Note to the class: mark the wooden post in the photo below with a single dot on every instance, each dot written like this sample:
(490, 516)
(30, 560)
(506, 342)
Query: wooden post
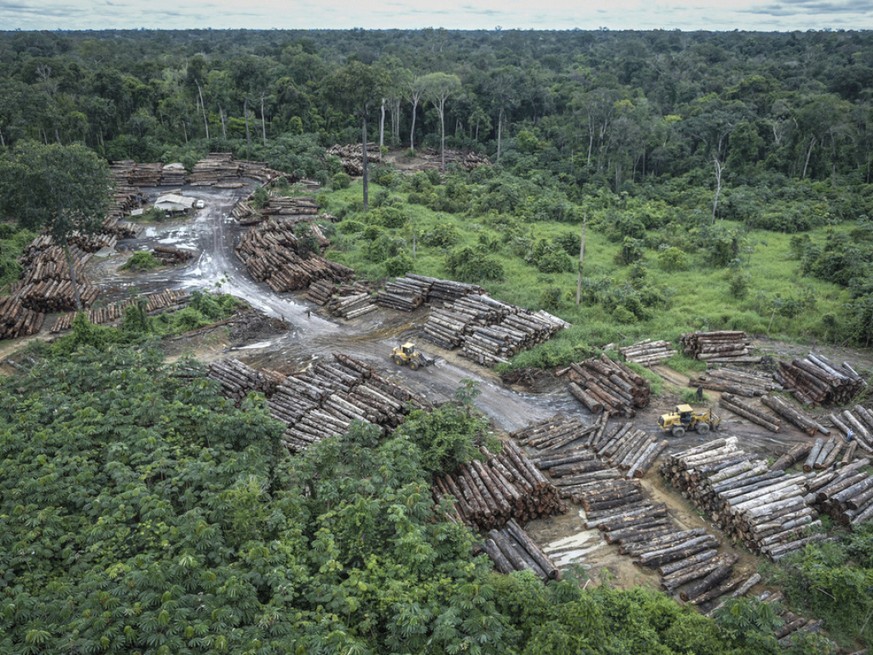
(581, 260)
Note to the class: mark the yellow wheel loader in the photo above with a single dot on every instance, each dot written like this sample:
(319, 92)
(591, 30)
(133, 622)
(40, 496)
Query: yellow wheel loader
(408, 355)
(684, 418)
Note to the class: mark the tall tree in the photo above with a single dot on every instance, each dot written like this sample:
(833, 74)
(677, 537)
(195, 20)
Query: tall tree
(359, 87)
(438, 88)
(415, 92)
(64, 189)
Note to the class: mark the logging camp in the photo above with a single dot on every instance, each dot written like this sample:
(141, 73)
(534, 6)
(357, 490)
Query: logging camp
(685, 419)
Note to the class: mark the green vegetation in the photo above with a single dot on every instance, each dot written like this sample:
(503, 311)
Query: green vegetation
(142, 261)
(140, 511)
(833, 581)
(13, 240)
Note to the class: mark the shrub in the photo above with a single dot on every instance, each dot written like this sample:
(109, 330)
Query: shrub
(142, 260)
(441, 235)
(340, 181)
(673, 259)
(398, 265)
(469, 265)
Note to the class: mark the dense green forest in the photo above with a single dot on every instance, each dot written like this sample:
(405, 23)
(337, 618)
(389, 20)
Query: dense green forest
(691, 155)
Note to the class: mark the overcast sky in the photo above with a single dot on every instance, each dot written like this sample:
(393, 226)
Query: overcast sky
(763, 15)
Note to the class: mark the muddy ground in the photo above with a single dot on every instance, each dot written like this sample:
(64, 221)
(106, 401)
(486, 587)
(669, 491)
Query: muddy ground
(281, 335)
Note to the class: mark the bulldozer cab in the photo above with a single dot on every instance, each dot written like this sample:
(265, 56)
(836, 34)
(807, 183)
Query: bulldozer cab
(685, 413)
(408, 349)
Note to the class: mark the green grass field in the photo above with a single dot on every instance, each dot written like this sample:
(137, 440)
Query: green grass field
(779, 302)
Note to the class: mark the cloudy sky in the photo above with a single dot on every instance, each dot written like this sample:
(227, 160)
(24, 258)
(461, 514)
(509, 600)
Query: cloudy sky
(765, 15)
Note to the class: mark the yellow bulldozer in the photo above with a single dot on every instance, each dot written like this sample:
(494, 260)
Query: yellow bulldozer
(409, 355)
(684, 418)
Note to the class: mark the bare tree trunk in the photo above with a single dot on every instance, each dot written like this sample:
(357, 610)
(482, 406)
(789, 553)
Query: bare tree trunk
(263, 121)
(364, 157)
(397, 122)
(246, 116)
(223, 122)
(442, 111)
(499, 132)
(412, 130)
(718, 170)
(808, 155)
(203, 109)
(382, 125)
(73, 280)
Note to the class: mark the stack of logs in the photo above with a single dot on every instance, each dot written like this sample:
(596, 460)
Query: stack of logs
(763, 508)
(352, 156)
(466, 160)
(512, 549)
(16, 320)
(505, 486)
(856, 423)
(648, 352)
(172, 254)
(159, 301)
(217, 169)
(329, 396)
(795, 417)
(688, 561)
(238, 379)
(750, 412)
(846, 494)
(567, 448)
(173, 174)
(270, 252)
(46, 285)
(412, 291)
(487, 330)
(815, 381)
(345, 300)
(736, 381)
(299, 207)
(404, 293)
(723, 346)
(602, 384)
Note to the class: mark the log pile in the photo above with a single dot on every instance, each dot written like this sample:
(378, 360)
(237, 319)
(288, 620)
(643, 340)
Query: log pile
(405, 294)
(845, 494)
(764, 509)
(602, 384)
(171, 254)
(173, 174)
(270, 252)
(795, 417)
(329, 396)
(302, 208)
(352, 156)
(352, 305)
(159, 301)
(16, 320)
(723, 346)
(512, 549)
(505, 486)
(855, 424)
(487, 330)
(466, 160)
(217, 169)
(648, 352)
(750, 412)
(736, 381)
(816, 381)
(237, 379)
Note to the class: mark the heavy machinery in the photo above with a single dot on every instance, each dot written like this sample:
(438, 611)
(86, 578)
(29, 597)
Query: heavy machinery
(408, 355)
(684, 418)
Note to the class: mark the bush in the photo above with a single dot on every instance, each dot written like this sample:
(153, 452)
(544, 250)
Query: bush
(340, 181)
(142, 260)
(673, 259)
(441, 235)
(469, 265)
(398, 265)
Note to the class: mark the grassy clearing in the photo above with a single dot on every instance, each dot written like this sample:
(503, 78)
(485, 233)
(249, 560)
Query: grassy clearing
(777, 301)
